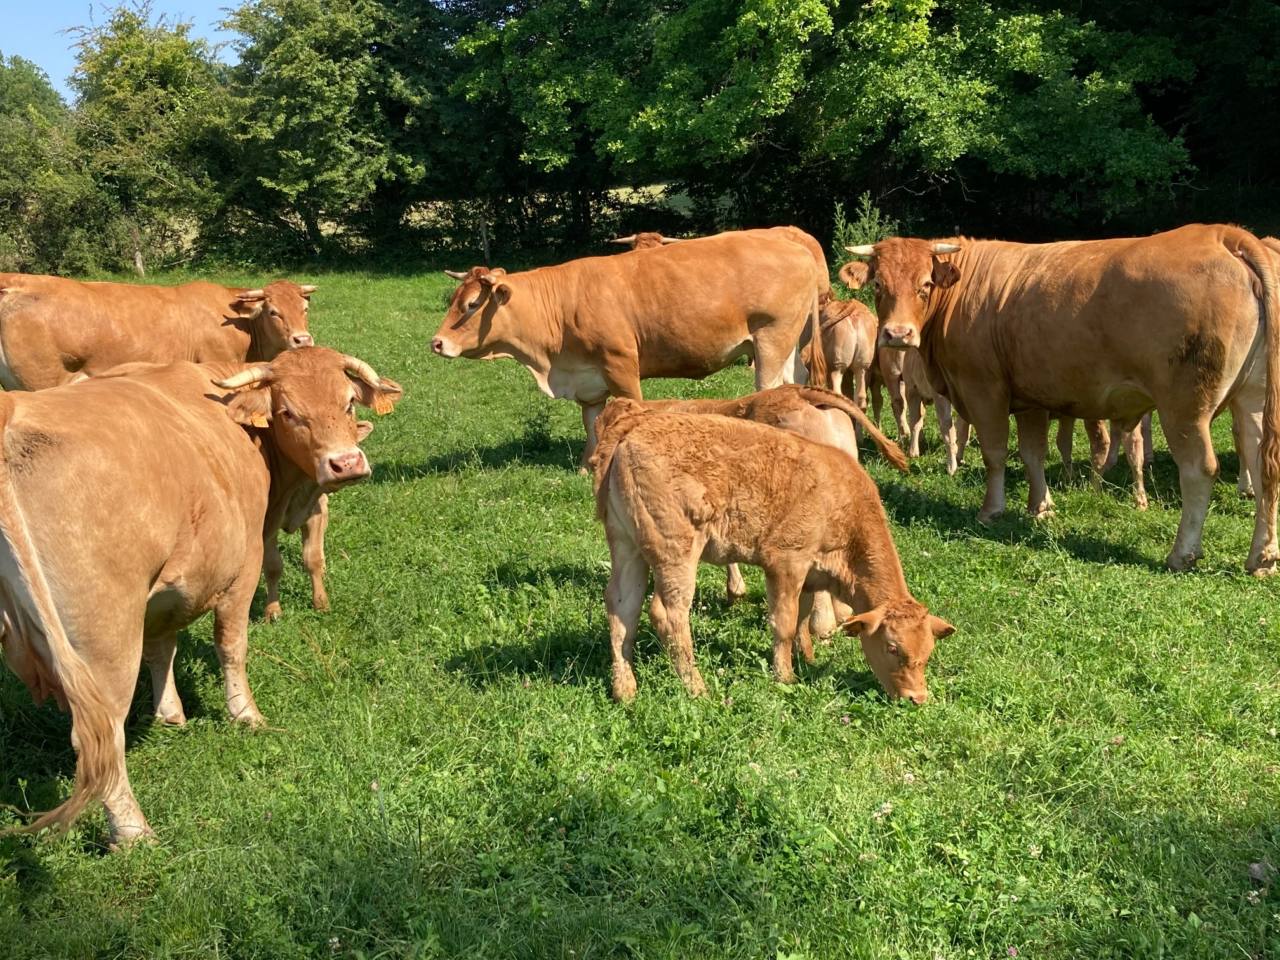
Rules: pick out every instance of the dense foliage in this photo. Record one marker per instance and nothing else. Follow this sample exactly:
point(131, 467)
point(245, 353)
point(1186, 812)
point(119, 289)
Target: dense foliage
point(376, 126)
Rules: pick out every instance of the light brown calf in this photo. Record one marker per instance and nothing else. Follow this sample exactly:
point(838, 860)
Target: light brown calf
point(674, 489)
point(133, 503)
point(953, 427)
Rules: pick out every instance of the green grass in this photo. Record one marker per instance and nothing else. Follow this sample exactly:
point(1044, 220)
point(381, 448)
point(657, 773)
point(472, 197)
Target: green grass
point(446, 775)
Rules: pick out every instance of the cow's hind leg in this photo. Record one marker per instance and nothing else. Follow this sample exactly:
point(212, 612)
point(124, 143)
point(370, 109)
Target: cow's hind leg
point(159, 653)
point(1033, 446)
point(1192, 449)
point(735, 588)
point(915, 420)
point(947, 427)
point(804, 614)
point(313, 531)
point(673, 588)
point(822, 621)
point(993, 437)
point(623, 599)
point(1246, 425)
point(272, 570)
point(1066, 434)
point(231, 639)
point(117, 676)
point(1133, 453)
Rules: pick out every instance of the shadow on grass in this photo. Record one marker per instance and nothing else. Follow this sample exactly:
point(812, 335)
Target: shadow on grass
point(534, 447)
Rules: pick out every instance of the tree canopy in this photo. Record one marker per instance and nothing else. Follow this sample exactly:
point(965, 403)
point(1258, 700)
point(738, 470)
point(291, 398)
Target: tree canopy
point(378, 127)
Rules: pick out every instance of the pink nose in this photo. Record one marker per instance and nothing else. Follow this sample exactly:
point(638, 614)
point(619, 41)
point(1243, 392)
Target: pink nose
point(896, 335)
point(918, 698)
point(302, 340)
point(437, 345)
point(348, 465)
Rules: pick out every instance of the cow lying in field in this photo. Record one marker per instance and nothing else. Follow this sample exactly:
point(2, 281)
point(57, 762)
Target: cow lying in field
point(1102, 330)
point(674, 489)
point(594, 328)
point(132, 503)
point(819, 415)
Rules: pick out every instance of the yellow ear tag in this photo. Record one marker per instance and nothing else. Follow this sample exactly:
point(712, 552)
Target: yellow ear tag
point(258, 420)
point(382, 405)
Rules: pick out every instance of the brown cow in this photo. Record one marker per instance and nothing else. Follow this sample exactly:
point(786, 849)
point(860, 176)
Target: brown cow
point(591, 328)
point(52, 328)
point(674, 489)
point(1101, 329)
point(953, 427)
point(132, 503)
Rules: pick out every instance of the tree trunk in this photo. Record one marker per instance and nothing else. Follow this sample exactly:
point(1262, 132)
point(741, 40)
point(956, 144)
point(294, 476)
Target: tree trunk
point(139, 267)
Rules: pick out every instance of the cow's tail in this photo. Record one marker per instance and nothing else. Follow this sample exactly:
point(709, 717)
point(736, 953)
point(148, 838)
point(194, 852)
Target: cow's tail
point(1261, 261)
point(31, 610)
point(827, 398)
point(818, 372)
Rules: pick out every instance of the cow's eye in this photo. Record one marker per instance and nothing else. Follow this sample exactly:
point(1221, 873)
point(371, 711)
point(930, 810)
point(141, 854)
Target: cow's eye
point(351, 408)
point(894, 649)
point(288, 414)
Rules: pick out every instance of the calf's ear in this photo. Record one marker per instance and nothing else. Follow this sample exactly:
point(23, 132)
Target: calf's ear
point(863, 623)
point(855, 274)
point(363, 429)
point(941, 629)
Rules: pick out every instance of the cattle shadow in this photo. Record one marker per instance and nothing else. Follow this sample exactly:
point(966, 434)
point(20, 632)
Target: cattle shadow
point(533, 448)
point(910, 506)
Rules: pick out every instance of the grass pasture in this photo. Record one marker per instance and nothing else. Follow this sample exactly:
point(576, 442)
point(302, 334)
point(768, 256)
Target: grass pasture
point(1095, 775)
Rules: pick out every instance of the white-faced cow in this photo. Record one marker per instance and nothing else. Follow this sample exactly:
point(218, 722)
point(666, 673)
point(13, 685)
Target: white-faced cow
point(132, 503)
point(1103, 330)
point(593, 328)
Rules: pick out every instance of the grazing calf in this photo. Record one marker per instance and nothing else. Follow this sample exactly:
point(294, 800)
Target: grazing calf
point(133, 503)
point(819, 415)
point(674, 489)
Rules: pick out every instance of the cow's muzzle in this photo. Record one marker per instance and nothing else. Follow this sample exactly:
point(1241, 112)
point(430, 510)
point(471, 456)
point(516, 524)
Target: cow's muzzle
point(899, 337)
point(443, 348)
point(301, 340)
point(340, 469)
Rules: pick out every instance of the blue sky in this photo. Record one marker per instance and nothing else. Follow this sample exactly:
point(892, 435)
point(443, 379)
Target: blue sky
point(33, 29)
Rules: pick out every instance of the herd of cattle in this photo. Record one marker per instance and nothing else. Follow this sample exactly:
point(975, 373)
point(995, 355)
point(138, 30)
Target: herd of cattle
point(154, 441)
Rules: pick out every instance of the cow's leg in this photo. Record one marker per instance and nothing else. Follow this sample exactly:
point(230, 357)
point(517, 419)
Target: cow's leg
point(803, 616)
point(589, 413)
point(1033, 446)
point(915, 421)
point(159, 653)
point(991, 419)
point(623, 598)
point(1148, 445)
point(117, 676)
point(126, 822)
point(1246, 420)
point(836, 377)
point(272, 569)
point(775, 362)
point(898, 399)
point(673, 588)
point(735, 588)
point(313, 531)
point(231, 639)
point(947, 427)
point(877, 398)
point(1133, 453)
point(962, 435)
point(1246, 449)
point(822, 619)
point(859, 397)
point(1192, 449)
point(1103, 444)
point(783, 587)
point(1066, 434)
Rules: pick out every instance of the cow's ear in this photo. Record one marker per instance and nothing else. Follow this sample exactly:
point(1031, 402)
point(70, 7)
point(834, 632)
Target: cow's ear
point(252, 407)
point(940, 628)
point(944, 272)
point(493, 282)
point(363, 429)
point(381, 398)
point(855, 274)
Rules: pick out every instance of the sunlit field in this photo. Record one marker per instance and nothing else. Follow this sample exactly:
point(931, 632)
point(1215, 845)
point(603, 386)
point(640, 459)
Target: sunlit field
point(445, 775)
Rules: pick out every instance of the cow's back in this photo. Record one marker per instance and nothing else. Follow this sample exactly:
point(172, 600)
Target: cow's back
point(52, 328)
point(141, 486)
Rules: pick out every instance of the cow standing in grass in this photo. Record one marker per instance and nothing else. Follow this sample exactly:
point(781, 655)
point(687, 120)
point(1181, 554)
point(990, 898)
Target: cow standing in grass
point(132, 503)
point(1186, 321)
point(594, 328)
point(674, 489)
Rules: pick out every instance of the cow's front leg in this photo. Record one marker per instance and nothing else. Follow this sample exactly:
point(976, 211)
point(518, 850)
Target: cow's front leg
point(313, 531)
point(991, 420)
point(1033, 446)
point(159, 653)
point(590, 411)
point(783, 588)
point(1192, 449)
point(735, 588)
point(231, 639)
point(272, 570)
point(1065, 438)
point(1133, 453)
point(946, 425)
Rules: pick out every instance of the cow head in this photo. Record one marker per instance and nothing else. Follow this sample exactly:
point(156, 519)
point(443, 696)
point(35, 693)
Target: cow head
point(897, 640)
point(277, 314)
point(307, 399)
point(644, 241)
point(474, 321)
point(904, 273)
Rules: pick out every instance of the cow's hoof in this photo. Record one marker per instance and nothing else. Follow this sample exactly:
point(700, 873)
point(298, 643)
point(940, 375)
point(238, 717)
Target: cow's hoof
point(1263, 565)
point(320, 603)
point(273, 612)
point(952, 469)
point(122, 838)
point(1140, 501)
point(988, 517)
point(584, 472)
point(1181, 562)
point(1044, 512)
point(624, 689)
point(178, 719)
point(693, 683)
point(1246, 494)
point(251, 719)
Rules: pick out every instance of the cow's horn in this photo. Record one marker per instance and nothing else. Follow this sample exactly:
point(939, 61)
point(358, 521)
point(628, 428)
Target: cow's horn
point(253, 295)
point(308, 289)
point(624, 240)
point(362, 370)
point(456, 274)
point(668, 239)
point(946, 248)
point(245, 378)
point(863, 250)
